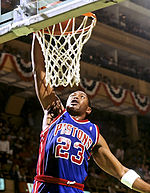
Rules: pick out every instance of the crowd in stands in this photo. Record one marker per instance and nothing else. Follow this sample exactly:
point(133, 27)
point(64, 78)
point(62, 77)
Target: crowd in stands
point(123, 22)
point(127, 67)
point(19, 145)
point(135, 155)
point(144, 3)
point(19, 152)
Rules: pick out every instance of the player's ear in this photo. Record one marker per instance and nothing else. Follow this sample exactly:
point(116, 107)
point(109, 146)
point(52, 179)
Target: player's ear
point(89, 110)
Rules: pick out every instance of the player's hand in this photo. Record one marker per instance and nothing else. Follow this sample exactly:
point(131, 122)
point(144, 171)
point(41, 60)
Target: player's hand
point(55, 109)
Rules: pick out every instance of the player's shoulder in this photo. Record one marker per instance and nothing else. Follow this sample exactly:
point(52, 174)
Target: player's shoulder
point(92, 129)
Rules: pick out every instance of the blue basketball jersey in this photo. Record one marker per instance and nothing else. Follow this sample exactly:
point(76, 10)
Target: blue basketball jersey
point(65, 149)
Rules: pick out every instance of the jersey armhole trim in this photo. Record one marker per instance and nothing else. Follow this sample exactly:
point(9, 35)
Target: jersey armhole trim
point(97, 136)
point(43, 131)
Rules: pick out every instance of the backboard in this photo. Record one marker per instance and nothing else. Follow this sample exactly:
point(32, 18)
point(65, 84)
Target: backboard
point(22, 17)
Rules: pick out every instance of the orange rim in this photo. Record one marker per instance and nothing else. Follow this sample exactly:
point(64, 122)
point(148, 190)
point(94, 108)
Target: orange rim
point(89, 14)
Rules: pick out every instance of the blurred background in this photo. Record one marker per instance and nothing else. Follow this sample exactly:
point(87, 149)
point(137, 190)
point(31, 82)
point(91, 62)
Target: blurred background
point(115, 73)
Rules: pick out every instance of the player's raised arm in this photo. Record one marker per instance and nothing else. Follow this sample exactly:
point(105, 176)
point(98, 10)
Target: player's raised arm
point(109, 163)
point(50, 102)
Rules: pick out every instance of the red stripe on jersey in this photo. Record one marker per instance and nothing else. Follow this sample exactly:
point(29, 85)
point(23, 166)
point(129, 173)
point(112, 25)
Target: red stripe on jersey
point(80, 121)
point(97, 134)
point(40, 165)
point(96, 141)
point(36, 186)
point(53, 122)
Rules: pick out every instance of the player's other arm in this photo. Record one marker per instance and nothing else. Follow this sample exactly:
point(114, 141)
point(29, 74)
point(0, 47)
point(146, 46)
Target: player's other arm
point(45, 94)
point(109, 163)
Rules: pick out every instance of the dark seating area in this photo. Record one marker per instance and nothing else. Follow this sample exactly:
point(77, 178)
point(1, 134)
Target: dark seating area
point(19, 150)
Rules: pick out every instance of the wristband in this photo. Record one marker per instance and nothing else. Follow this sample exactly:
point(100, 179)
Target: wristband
point(129, 178)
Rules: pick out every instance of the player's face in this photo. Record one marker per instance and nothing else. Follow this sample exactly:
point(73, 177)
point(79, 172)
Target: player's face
point(77, 103)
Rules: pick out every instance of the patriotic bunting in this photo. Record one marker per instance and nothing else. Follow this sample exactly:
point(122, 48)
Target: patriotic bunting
point(117, 95)
point(142, 103)
point(91, 87)
point(24, 70)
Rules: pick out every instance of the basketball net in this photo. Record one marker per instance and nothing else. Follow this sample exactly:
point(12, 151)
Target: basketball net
point(62, 45)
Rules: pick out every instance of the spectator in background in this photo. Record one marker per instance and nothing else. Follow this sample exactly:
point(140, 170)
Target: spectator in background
point(111, 188)
point(4, 148)
point(1, 127)
point(147, 173)
point(111, 61)
point(122, 21)
point(120, 153)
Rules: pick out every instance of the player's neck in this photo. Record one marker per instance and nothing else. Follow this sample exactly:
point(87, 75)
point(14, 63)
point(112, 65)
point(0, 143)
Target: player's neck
point(79, 117)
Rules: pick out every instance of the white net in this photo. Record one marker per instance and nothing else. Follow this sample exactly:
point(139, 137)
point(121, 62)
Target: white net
point(62, 47)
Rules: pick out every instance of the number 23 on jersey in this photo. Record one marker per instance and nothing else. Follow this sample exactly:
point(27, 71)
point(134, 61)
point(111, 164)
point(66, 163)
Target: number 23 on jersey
point(63, 147)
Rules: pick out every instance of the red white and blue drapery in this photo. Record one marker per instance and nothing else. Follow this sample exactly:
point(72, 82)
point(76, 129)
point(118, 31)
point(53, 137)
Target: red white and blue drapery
point(116, 95)
point(23, 69)
point(91, 87)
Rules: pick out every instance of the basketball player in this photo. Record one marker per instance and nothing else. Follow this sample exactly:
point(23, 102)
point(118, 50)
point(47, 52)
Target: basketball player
point(68, 140)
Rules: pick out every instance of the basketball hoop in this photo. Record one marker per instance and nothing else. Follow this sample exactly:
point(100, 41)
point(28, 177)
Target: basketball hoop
point(62, 45)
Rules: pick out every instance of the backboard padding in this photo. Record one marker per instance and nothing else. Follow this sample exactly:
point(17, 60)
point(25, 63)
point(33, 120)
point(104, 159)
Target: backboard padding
point(49, 17)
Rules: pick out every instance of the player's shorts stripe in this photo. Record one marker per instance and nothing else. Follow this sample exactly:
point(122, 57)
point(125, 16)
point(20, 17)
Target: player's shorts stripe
point(60, 181)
